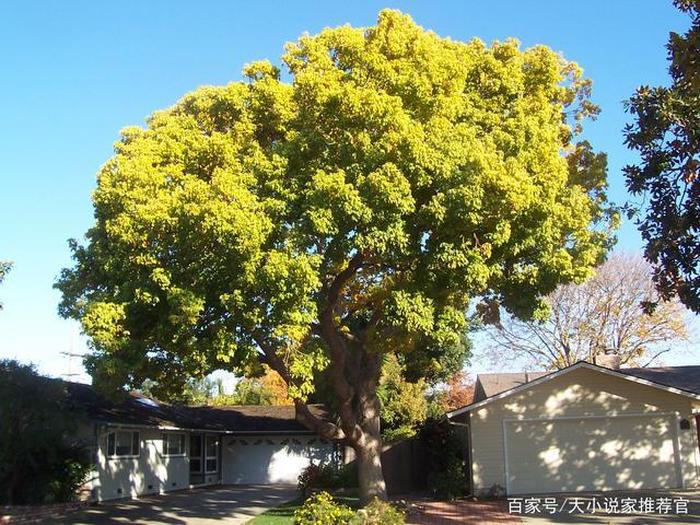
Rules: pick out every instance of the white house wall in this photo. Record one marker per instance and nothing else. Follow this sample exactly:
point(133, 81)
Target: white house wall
point(261, 459)
point(149, 473)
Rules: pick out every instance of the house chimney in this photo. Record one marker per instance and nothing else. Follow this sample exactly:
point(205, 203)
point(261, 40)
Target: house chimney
point(608, 358)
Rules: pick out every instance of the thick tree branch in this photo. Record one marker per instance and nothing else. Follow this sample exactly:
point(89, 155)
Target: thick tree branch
point(303, 414)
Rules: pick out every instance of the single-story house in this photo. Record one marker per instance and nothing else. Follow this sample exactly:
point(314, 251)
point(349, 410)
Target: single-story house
point(584, 428)
point(142, 446)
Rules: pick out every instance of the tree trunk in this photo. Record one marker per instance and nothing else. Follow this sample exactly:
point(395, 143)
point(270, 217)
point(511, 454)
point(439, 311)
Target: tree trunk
point(354, 374)
point(369, 462)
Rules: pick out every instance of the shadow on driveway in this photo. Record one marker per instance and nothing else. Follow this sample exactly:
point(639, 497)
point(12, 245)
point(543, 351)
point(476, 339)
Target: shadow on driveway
point(229, 504)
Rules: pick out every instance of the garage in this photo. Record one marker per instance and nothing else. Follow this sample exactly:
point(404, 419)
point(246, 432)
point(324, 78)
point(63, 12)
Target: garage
point(272, 459)
point(583, 428)
point(592, 453)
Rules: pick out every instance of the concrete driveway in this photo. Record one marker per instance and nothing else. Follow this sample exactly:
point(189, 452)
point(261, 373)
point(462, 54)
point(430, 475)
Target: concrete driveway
point(232, 505)
point(648, 516)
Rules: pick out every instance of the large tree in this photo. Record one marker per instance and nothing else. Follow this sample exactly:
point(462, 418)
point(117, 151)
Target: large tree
point(352, 210)
point(666, 134)
point(609, 311)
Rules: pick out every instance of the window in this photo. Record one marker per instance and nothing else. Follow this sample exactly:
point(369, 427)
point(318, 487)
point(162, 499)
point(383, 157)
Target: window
point(211, 459)
point(173, 444)
point(123, 444)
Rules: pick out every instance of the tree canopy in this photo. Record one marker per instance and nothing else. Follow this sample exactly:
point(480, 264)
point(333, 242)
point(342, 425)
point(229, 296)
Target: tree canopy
point(352, 207)
point(666, 134)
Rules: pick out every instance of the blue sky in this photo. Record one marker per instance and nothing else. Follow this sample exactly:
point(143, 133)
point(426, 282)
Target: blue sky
point(74, 73)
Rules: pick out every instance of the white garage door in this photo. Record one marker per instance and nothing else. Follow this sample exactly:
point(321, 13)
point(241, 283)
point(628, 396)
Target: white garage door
point(267, 460)
point(598, 453)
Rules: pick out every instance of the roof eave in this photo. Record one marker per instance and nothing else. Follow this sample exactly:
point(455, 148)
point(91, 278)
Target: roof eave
point(557, 373)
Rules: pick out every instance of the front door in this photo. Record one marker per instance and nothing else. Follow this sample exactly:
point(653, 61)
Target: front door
point(196, 459)
point(205, 459)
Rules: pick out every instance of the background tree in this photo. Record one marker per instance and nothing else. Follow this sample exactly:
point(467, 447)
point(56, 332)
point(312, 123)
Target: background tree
point(39, 463)
point(5, 267)
point(353, 211)
point(197, 391)
point(404, 406)
point(456, 392)
point(248, 391)
point(606, 312)
point(277, 389)
point(268, 389)
point(666, 134)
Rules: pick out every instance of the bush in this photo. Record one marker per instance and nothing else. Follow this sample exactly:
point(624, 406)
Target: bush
point(37, 462)
point(69, 474)
point(446, 462)
point(379, 513)
point(450, 483)
point(321, 509)
point(327, 476)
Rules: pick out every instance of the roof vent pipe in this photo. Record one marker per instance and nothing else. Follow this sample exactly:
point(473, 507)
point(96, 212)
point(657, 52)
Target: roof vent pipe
point(608, 358)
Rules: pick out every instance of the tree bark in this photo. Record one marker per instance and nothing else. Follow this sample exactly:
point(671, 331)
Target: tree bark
point(354, 374)
point(369, 457)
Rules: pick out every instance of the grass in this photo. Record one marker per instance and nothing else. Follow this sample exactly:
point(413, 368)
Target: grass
point(281, 515)
point(284, 514)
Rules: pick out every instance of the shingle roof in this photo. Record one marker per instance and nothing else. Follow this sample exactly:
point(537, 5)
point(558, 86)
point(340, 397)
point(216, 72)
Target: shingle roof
point(251, 418)
point(136, 409)
point(683, 377)
point(491, 384)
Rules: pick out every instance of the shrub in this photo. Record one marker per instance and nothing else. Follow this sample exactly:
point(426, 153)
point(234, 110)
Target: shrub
point(321, 509)
point(446, 462)
point(379, 513)
point(327, 476)
point(450, 483)
point(69, 474)
point(37, 463)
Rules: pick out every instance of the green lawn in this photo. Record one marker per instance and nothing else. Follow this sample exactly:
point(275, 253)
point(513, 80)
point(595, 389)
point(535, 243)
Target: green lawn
point(284, 514)
point(281, 515)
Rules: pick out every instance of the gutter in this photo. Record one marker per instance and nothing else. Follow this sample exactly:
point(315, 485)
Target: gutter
point(202, 430)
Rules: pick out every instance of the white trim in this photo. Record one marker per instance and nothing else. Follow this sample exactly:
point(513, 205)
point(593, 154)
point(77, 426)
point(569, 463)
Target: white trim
point(576, 366)
point(216, 457)
point(169, 428)
point(505, 455)
point(163, 427)
point(695, 426)
point(593, 416)
point(675, 415)
point(471, 451)
point(288, 432)
point(677, 453)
